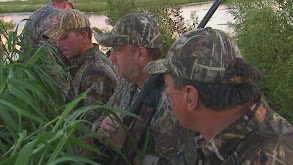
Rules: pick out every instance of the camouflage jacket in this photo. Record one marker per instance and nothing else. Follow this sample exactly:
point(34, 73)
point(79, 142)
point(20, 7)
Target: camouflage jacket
point(260, 136)
point(39, 22)
point(169, 141)
point(97, 73)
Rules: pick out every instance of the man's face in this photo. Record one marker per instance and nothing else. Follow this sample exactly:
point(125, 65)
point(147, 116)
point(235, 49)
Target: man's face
point(71, 45)
point(113, 58)
point(177, 99)
point(127, 62)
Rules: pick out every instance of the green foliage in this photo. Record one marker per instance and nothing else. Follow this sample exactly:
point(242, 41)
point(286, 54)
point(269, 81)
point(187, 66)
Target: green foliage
point(7, 25)
point(264, 32)
point(165, 12)
point(36, 126)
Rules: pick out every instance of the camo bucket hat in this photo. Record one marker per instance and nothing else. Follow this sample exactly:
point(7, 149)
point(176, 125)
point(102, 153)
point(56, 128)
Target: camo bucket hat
point(65, 22)
point(200, 55)
point(136, 29)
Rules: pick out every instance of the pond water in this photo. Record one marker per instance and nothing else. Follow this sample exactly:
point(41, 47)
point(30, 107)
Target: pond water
point(219, 20)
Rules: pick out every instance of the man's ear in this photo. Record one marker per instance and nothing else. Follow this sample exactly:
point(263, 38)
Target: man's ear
point(67, 5)
point(142, 54)
point(84, 36)
point(191, 97)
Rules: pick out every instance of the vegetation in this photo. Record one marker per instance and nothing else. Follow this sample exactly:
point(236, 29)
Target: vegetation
point(36, 125)
point(264, 30)
point(82, 5)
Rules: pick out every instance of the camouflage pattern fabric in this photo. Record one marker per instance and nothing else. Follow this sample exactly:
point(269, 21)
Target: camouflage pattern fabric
point(169, 141)
point(201, 55)
point(65, 22)
point(135, 29)
point(40, 21)
point(261, 136)
point(97, 73)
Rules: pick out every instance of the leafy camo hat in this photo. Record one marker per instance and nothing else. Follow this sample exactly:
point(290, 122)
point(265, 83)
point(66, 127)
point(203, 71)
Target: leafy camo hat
point(200, 55)
point(136, 29)
point(65, 22)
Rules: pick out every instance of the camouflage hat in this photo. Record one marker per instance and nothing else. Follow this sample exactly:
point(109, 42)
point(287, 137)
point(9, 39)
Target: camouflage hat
point(65, 22)
point(71, 2)
point(136, 29)
point(200, 55)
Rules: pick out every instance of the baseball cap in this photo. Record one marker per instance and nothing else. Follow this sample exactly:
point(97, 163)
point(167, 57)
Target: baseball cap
point(66, 21)
point(134, 28)
point(201, 55)
point(71, 2)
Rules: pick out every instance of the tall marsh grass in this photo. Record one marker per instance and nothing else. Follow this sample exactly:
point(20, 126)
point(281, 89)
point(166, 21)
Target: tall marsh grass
point(36, 125)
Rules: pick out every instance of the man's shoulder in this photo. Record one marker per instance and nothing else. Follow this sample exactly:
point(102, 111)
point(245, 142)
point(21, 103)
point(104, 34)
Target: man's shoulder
point(271, 137)
point(46, 10)
point(95, 63)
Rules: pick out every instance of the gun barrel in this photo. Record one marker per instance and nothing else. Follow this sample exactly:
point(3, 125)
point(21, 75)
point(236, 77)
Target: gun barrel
point(209, 14)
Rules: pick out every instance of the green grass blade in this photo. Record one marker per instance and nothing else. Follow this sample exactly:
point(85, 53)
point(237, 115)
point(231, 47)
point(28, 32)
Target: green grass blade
point(25, 153)
point(36, 56)
point(67, 110)
point(9, 161)
point(20, 110)
point(73, 159)
point(25, 97)
point(61, 145)
point(7, 118)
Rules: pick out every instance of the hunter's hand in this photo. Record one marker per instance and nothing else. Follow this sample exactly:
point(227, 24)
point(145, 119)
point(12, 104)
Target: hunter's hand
point(112, 133)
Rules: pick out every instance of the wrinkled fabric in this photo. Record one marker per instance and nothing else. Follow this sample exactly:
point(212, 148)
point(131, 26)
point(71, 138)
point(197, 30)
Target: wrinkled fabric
point(201, 55)
point(261, 136)
point(169, 142)
point(65, 22)
point(134, 29)
point(97, 73)
point(39, 22)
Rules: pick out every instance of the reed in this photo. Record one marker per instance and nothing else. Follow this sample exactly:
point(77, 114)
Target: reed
point(36, 125)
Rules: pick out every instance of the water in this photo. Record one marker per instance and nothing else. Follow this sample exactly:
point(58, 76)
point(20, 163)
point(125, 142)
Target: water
point(219, 20)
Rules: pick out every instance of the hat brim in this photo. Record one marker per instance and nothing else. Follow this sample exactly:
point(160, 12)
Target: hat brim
point(156, 67)
point(55, 34)
point(110, 39)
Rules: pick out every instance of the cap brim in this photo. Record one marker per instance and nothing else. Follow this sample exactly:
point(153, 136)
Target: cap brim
point(54, 34)
point(156, 67)
point(110, 39)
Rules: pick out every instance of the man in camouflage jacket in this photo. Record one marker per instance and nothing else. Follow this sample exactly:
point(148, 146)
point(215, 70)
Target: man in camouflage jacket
point(213, 91)
point(71, 29)
point(136, 41)
point(39, 22)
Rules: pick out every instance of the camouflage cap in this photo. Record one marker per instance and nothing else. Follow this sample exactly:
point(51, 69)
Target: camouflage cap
point(136, 29)
point(71, 2)
point(200, 55)
point(65, 22)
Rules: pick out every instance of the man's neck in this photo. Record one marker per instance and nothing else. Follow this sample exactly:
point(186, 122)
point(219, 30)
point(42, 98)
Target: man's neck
point(83, 52)
point(141, 81)
point(210, 123)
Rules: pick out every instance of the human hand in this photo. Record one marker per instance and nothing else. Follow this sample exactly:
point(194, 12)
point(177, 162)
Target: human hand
point(112, 133)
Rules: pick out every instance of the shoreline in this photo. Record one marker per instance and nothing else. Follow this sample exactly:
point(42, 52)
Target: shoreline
point(21, 7)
